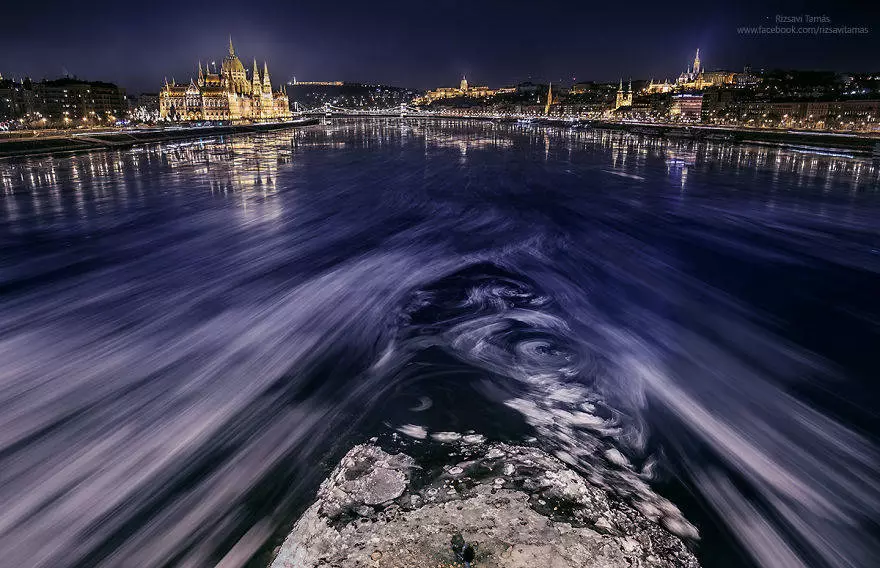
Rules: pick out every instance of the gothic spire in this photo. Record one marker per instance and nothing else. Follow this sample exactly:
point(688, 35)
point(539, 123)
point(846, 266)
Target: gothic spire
point(231, 49)
point(549, 99)
point(256, 85)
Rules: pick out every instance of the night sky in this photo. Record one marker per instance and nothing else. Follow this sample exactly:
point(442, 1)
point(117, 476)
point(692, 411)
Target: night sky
point(421, 44)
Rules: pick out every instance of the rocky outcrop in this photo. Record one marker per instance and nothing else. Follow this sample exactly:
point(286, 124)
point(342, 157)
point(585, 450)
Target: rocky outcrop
point(515, 506)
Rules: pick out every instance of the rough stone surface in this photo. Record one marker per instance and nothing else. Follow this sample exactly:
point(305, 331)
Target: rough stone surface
point(517, 506)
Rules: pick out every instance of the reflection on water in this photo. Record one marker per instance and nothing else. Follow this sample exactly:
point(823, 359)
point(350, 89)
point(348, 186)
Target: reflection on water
point(248, 164)
point(190, 332)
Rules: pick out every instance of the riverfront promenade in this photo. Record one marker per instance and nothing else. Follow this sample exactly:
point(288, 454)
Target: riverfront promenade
point(59, 141)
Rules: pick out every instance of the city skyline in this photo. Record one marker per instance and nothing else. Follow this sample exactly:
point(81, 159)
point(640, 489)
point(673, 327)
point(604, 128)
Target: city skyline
point(496, 282)
point(392, 44)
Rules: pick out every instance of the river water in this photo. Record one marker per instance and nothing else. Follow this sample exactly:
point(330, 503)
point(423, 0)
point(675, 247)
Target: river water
point(192, 332)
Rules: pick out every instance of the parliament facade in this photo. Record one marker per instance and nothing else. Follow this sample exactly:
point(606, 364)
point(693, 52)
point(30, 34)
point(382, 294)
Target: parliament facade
point(225, 94)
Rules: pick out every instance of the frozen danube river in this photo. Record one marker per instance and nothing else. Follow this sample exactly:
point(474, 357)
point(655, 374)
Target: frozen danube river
point(191, 334)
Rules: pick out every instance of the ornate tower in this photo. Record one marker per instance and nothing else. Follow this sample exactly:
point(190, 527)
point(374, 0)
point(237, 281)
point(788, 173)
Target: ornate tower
point(267, 84)
point(624, 98)
point(697, 63)
point(201, 76)
point(256, 84)
point(464, 85)
point(549, 100)
point(233, 71)
point(256, 92)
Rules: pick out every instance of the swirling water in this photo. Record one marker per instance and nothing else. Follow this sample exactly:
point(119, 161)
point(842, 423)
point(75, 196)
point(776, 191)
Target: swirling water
point(191, 333)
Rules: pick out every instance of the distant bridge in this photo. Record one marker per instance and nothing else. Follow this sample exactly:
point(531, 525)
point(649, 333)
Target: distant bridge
point(328, 110)
point(404, 110)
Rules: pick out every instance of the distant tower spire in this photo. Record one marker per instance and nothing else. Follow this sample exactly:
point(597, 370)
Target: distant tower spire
point(464, 84)
point(697, 63)
point(201, 76)
point(623, 98)
point(231, 49)
point(549, 99)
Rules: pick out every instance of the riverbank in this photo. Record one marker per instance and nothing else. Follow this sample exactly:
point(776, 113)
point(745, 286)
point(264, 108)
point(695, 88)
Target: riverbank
point(88, 141)
point(855, 144)
point(863, 145)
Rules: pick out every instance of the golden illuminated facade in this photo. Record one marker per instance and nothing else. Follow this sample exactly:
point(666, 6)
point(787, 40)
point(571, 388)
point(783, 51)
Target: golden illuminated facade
point(695, 78)
point(624, 98)
point(463, 90)
point(225, 94)
point(664, 87)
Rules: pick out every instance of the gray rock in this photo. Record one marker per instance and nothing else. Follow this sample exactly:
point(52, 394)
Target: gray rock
point(517, 506)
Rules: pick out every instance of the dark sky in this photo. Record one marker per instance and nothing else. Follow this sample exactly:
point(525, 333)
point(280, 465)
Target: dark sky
point(421, 44)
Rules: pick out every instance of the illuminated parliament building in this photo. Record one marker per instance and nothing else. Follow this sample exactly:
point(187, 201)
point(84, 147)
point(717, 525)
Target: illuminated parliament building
point(225, 94)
